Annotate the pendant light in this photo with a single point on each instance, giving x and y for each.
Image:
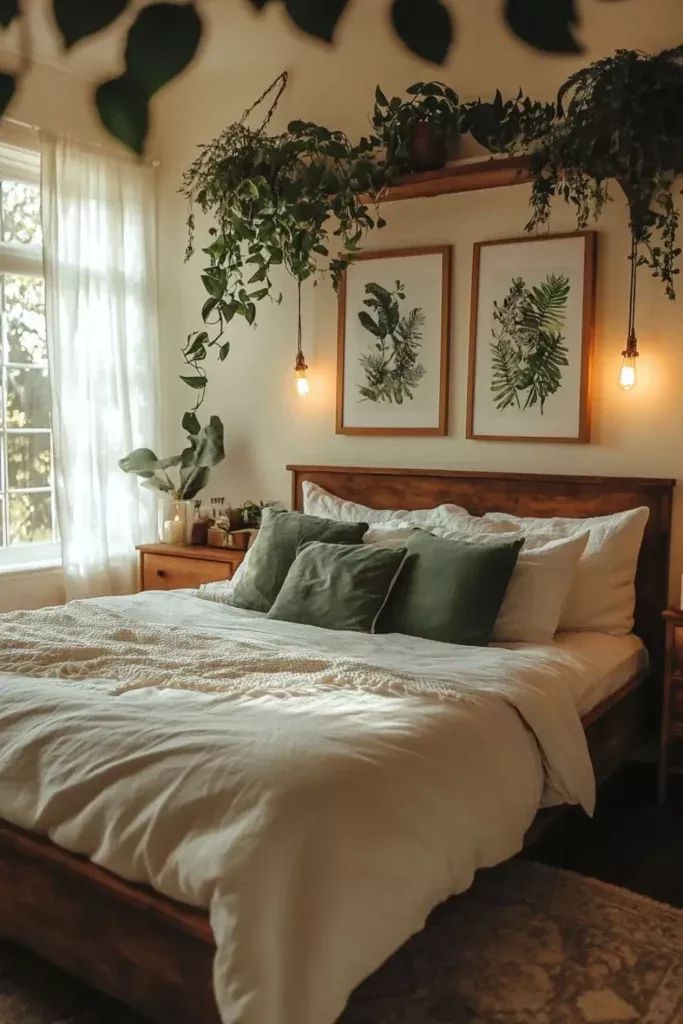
(303, 386)
(627, 372)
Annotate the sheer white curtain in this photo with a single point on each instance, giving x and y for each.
(101, 302)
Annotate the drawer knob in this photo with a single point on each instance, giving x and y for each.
(161, 572)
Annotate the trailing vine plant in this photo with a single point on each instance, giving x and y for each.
(274, 201)
(619, 118)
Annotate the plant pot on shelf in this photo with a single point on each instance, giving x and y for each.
(428, 147)
(175, 521)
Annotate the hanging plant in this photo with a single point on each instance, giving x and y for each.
(420, 133)
(274, 201)
(619, 118)
(508, 126)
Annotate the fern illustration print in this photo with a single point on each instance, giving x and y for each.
(391, 368)
(528, 350)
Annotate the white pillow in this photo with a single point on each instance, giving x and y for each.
(319, 502)
(539, 584)
(602, 594)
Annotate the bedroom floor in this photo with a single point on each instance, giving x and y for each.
(631, 841)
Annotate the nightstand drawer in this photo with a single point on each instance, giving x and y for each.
(168, 572)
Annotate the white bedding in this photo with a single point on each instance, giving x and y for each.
(318, 816)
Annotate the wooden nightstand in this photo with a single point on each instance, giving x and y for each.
(672, 702)
(174, 566)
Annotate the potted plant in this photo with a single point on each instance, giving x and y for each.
(420, 133)
(619, 118)
(176, 508)
(507, 126)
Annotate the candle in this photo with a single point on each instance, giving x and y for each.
(174, 531)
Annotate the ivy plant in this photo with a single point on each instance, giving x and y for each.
(619, 118)
(274, 201)
(420, 132)
(165, 36)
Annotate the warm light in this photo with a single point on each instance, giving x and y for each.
(627, 373)
(303, 386)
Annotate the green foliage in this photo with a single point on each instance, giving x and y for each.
(426, 27)
(507, 126)
(528, 351)
(205, 449)
(418, 133)
(392, 369)
(294, 200)
(619, 118)
(545, 26)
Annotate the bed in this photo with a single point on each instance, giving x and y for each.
(157, 953)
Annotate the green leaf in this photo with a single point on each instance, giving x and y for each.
(194, 382)
(425, 27)
(77, 19)
(544, 25)
(215, 280)
(7, 89)
(317, 18)
(223, 350)
(142, 460)
(380, 98)
(161, 43)
(123, 111)
(191, 423)
(9, 9)
(208, 308)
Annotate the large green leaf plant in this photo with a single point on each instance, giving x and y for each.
(204, 450)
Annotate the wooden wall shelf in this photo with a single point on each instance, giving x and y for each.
(464, 177)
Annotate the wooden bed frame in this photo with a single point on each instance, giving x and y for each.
(156, 955)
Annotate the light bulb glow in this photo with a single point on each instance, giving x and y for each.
(303, 386)
(627, 373)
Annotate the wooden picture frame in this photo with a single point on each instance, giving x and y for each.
(439, 354)
(581, 341)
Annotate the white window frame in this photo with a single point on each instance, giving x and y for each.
(23, 165)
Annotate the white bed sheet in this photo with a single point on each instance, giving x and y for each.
(597, 664)
(594, 665)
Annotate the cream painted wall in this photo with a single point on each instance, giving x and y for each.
(266, 424)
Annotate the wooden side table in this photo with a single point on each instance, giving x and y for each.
(175, 566)
(672, 701)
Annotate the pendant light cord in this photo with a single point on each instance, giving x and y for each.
(300, 361)
(631, 342)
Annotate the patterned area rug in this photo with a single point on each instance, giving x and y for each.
(528, 944)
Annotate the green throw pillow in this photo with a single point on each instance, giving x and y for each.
(275, 549)
(450, 590)
(338, 586)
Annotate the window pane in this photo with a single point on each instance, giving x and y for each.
(28, 398)
(24, 319)
(28, 460)
(21, 213)
(30, 518)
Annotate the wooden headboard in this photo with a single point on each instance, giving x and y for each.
(524, 494)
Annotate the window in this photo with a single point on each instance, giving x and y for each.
(27, 512)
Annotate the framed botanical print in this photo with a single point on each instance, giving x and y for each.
(531, 335)
(393, 342)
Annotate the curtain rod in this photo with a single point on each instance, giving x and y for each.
(99, 145)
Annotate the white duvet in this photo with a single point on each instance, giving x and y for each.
(317, 792)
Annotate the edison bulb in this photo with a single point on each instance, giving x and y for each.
(303, 386)
(627, 373)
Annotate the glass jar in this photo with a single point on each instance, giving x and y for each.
(175, 521)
